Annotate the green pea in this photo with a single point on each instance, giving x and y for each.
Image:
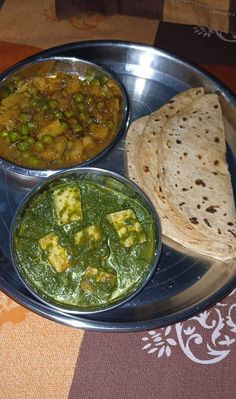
(53, 103)
(23, 145)
(30, 140)
(69, 113)
(4, 133)
(44, 106)
(32, 125)
(110, 124)
(93, 126)
(78, 97)
(90, 75)
(47, 139)
(95, 82)
(101, 105)
(33, 102)
(77, 128)
(13, 136)
(85, 82)
(25, 117)
(24, 130)
(81, 107)
(64, 126)
(82, 116)
(33, 161)
(39, 146)
(58, 114)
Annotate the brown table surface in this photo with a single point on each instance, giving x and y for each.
(41, 359)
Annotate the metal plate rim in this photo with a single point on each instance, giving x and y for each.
(97, 325)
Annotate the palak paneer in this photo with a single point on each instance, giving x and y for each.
(91, 245)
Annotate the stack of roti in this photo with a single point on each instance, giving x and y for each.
(177, 155)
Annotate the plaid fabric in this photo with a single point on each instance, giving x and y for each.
(215, 14)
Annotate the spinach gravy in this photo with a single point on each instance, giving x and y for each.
(83, 243)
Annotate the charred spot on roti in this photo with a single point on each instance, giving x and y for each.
(230, 224)
(199, 156)
(178, 141)
(216, 106)
(200, 182)
(185, 154)
(206, 131)
(205, 198)
(219, 231)
(198, 206)
(184, 118)
(185, 189)
(181, 203)
(176, 185)
(225, 214)
(194, 220)
(207, 222)
(212, 208)
(146, 168)
(216, 140)
(178, 172)
(216, 162)
(215, 173)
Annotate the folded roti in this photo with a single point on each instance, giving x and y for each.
(179, 160)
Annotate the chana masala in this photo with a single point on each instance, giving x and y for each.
(58, 121)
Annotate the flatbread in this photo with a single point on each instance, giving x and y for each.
(194, 175)
(150, 152)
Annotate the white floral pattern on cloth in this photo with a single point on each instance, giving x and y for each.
(205, 339)
(207, 33)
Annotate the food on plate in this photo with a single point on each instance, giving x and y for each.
(58, 121)
(85, 243)
(178, 156)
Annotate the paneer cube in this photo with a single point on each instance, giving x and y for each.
(128, 227)
(95, 278)
(57, 255)
(67, 202)
(90, 234)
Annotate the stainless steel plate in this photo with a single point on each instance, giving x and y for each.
(184, 284)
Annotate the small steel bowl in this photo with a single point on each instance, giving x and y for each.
(36, 66)
(109, 179)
